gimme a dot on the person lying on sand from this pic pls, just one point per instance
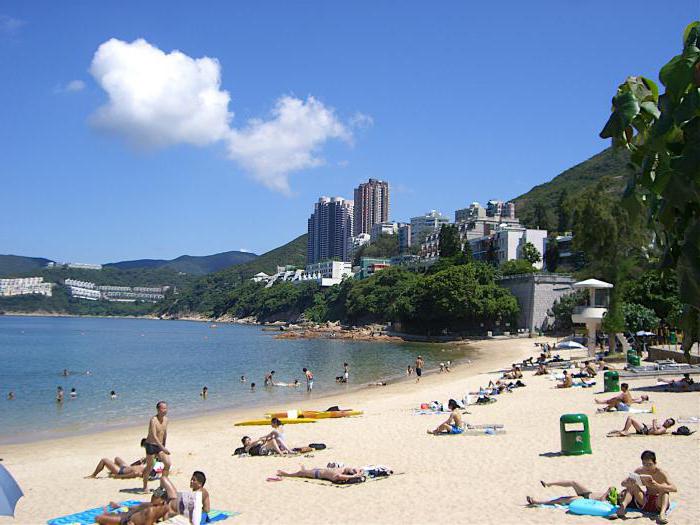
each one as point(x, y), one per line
point(453, 424)
point(567, 382)
point(143, 514)
point(683, 384)
point(335, 475)
point(541, 370)
point(648, 489)
point(579, 489)
point(513, 373)
point(272, 443)
point(588, 370)
point(120, 469)
point(621, 401)
point(642, 428)
point(182, 503)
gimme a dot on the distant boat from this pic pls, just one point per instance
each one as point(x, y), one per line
point(212, 326)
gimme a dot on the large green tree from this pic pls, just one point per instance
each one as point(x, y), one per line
point(448, 240)
point(663, 134)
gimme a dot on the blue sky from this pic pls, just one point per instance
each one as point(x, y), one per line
point(451, 102)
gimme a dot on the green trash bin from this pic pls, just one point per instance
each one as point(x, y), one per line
point(575, 434)
point(633, 357)
point(611, 381)
point(673, 338)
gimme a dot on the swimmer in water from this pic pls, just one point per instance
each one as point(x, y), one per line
point(59, 394)
point(203, 394)
point(10, 396)
point(252, 387)
point(73, 393)
point(65, 372)
point(113, 395)
point(243, 379)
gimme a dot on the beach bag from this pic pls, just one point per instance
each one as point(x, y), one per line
point(317, 446)
point(239, 451)
point(683, 431)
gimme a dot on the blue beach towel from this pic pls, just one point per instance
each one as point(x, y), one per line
point(87, 517)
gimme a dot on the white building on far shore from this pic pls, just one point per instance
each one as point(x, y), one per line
point(25, 286)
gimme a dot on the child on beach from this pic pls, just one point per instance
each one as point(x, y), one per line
point(309, 379)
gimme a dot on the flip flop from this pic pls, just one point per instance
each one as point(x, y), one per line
point(274, 478)
point(542, 482)
point(529, 500)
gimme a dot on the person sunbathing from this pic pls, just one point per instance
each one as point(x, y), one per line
point(621, 401)
point(120, 469)
point(272, 443)
point(587, 371)
point(683, 384)
point(567, 382)
point(642, 428)
point(514, 373)
point(541, 370)
point(453, 424)
point(146, 513)
point(334, 475)
point(579, 489)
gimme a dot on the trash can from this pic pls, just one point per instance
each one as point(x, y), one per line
point(611, 381)
point(673, 338)
point(633, 357)
point(575, 434)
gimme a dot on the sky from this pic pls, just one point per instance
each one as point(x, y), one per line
point(154, 129)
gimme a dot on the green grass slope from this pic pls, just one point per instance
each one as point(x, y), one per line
point(208, 293)
point(610, 166)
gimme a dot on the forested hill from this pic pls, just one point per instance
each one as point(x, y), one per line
point(212, 289)
point(191, 264)
point(609, 166)
point(12, 265)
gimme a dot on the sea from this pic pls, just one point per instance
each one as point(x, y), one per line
point(146, 360)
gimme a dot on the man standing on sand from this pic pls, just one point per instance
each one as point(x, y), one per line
point(309, 379)
point(658, 487)
point(419, 368)
point(155, 442)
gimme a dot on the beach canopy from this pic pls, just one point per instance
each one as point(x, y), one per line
point(9, 493)
point(569, 345)
point(643, 333)
point(592, 283)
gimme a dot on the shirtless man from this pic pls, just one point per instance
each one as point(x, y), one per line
point(621, 401)
point(656, 498)
point(335, 475)
point(143, 514)
point(181, 503)
point(642, 428)
point(419, 368)
point(453, 424)
point(120, 469)
point(567, 382)
point(579, 489)
point(682, 384)
point(155, 443)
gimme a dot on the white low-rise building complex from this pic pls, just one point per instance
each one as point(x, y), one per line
point(25, 286)
point(91, 291)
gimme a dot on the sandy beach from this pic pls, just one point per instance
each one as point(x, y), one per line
point(482, 479)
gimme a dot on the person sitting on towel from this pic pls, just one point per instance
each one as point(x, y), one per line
point(541, 370)
point(656, 498)
point(621, 401)
point(567, 382)
point(335, 475)
point(587, 371)
point(182, 503)
point(272, 443)
point(514, 373)
point(453, 424)
point(682, 384)
point(642, 429)
point(146, 513)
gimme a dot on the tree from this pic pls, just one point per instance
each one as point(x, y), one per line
point(383, 247)
point(541, 216)
point(563, 212)
point(551, 254)
point(638, 317)
point(516, 267)
point(663, 134)
point(467, 251)
point(530, 253)
point(659, 291)
point(448, 240)
point(563, 308)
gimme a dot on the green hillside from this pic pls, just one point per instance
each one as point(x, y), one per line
point(609, 165)
point(12, 265)
point(210, 291)
point(191, 264)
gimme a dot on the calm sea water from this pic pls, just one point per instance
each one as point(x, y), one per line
point(146, 360)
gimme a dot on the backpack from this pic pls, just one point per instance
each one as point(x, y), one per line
point(683, 431)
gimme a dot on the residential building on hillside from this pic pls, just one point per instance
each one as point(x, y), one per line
point(25, 286)
point(369, 266)
point(91, 291)
point(371, 205)
point(357, 242)
point(330, 230)
point(404, 232)
point(423, 225)
point(506, 244)
point(383, 228)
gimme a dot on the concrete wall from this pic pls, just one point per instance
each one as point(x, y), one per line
point(536, 293)
point(657, 353)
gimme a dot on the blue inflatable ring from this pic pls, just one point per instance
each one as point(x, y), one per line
point(591, 507)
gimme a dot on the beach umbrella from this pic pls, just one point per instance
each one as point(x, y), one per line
point(569, 345)
point(643, 333)
point(9, 493)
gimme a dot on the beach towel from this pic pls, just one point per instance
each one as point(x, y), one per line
point(687, 420)
point(650, 410)
point(327, 483)
point(88, 516)
point(629, 509)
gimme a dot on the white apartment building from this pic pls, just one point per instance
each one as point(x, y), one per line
point(25, 286)
point(90, 291)
point(423, 225)
point(383, 228)
point(85, 293)
point(80, 284)
point(84, 266)
point(507, 243)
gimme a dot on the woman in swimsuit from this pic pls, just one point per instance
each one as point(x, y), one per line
point(120, 468)
point(453, 424)
point(580, 490)
point(335, 475)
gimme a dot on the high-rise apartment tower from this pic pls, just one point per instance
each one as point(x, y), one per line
point(371, 205)
point(330, 230)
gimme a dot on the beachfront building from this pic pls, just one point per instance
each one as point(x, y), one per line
point(536, 294)
point(327, 273)
point(330, 230)
point(369, 266)
point(506, 244)
point(424, 225)
point(383, 228)
point(25, 286)
point(371, 205)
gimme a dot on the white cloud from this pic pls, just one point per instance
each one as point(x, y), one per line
point(159, 99)
point(10, 26)
point(75, 85)
point(289, 141)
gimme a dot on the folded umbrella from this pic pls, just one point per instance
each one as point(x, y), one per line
point(9, 493)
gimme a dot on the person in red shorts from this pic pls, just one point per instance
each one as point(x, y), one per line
point(655, 499)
